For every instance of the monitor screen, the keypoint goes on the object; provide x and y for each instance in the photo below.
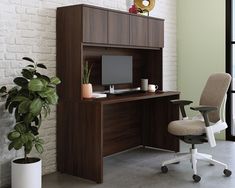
(116, 69)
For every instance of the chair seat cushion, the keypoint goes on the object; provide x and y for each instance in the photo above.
(186, 127)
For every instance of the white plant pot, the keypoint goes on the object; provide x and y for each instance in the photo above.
(26, 175)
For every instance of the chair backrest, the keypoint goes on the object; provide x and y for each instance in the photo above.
(214, 93)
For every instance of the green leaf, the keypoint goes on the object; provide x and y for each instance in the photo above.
(24, 107)
(24, 92)
(39, 148)
(7, 103)
(17, 115)
(31, 66)
(36, 106)
(55, 80)
(36, 120)
(40, 65)
(46, 92)
(38, 74)
(27, 74)
(13, 135)
(17, 144)
(11, 146)
(45, 83)
(41, 141)
(42, 94)
(52, 99)
(20, 81)
(20, 99)
(45, 78)
(24, 138)
(12, 105)
(36, 85)
(13, 91)
(28, 118)
(28, 146)
(30, 136)
(20, 128)
(28, 59)
(3, 89)
(34, 130)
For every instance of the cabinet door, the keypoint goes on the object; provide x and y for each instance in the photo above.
(118, 28)
(156, 33)
(95, 25)
(139, 31)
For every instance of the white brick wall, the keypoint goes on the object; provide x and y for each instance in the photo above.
(166, 9)
(27, 28)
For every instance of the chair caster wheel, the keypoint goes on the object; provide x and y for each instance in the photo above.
(164, 169)
(196, 178)
(227, 172)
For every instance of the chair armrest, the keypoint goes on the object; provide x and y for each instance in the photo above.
(181, 104)
(204, 110)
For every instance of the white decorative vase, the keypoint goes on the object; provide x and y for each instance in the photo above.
(86, 90)
(26, 175)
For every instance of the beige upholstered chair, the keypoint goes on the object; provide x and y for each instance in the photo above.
(202, 129)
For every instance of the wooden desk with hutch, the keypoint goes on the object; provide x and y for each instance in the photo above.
(90, 129)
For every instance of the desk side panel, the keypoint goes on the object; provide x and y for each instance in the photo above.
(79, 140)
(158, 113)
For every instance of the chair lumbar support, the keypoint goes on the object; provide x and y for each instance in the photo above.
(193, 156)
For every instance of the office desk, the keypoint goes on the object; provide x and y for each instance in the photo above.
(113, 124)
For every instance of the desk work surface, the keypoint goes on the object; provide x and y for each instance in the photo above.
(110, 99)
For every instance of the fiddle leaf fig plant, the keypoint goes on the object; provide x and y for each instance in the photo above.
(31, 98)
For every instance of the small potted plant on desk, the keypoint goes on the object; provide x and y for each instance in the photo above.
(28, 101)
(86, 86)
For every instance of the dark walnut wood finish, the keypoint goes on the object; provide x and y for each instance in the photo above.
(155, 33)
(119, 28)
(139, 36)
(88, 130)
(95, 26)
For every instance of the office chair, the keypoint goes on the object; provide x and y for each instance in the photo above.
(202, 129)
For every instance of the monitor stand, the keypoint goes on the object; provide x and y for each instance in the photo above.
(111, 89)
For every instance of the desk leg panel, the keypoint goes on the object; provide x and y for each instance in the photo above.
(79, 140)
(157, 115)
(91, 142)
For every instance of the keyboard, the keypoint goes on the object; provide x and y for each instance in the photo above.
(131, 92)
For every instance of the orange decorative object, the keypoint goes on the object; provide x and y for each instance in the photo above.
(149, 5)
(86, 90)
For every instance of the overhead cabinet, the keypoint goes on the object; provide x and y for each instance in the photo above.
(139, 31)
(95, 23)
(155, 33)
(105, 26)
(118, 28)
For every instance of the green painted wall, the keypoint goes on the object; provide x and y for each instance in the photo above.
(200, 45)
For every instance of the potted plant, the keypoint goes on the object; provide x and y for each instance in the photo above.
(86, 86)
(28, 101)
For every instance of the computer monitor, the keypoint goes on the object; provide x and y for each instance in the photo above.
(116, 69)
